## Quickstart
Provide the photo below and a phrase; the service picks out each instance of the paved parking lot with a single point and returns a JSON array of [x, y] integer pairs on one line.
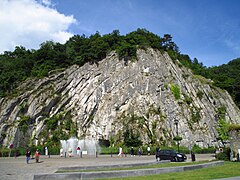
[[16, 168]]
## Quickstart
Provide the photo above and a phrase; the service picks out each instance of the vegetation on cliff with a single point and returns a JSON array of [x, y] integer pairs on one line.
[[20, 64], [225, 76]]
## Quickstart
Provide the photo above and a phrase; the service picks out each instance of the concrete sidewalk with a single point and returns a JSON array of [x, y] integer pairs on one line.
[[16, 168]]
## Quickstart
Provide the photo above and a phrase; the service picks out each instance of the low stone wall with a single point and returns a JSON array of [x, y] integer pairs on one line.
[[123, 173], [80, 168]]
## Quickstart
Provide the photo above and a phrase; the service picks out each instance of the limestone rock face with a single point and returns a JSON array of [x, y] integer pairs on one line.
[[154, 96]]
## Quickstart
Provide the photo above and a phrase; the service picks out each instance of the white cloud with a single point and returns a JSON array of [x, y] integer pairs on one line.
[[46, 2], [29, 23]]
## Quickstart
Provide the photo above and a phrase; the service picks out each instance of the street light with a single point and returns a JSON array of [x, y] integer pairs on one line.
[[231, 145], [176, 123]]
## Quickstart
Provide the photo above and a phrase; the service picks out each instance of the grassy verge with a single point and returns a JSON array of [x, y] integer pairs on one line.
[[163, 165], [229, 169]]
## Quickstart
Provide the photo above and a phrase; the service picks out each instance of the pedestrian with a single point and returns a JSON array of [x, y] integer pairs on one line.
[[139, 151], [78, 151], [132, 151], [239, 154], [120, 151], [28, 154], [46, 150], [61, 152], [148, 150], [37, 155]]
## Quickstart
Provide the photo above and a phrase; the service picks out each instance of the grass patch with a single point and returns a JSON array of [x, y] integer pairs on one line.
[[162, 165], [229, 169], [176, 91]]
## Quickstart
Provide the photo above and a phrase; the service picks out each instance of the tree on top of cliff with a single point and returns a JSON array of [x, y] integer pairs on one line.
[[20, 64]]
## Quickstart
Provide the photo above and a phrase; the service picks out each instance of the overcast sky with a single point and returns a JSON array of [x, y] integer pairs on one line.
[[205, 29]]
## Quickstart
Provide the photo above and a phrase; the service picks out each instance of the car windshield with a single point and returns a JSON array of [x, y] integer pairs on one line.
[[168, 151]]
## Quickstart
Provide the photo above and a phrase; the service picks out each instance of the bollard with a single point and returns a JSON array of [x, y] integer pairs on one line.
[[111, 153], [96, 154], [81, 154], [9, 155], [193, 157], [48, 154], [65, 154]]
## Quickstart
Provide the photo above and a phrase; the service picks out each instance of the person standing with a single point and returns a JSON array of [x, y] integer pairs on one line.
[[78, 151], [61, 152], [46, 151], [148, 150], [132, 151], [37, 155], [139, 151], [28, 154]]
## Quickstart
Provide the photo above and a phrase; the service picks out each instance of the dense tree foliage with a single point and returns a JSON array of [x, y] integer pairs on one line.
[[225, 76], [20, 64], [131, 138]]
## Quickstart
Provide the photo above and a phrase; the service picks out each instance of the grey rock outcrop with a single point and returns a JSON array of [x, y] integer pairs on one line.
[[102, 100]]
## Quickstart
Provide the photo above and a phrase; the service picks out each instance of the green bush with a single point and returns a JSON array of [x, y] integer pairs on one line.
[[110, 150], [198, 150], [4, 152], [200, 94], [196, 117], [132, 138], [222, 156], [53, 150], [225, 155], [176, 91], [187, 99]]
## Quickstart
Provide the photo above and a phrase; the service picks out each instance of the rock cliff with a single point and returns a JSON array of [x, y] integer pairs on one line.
[[154, 96]]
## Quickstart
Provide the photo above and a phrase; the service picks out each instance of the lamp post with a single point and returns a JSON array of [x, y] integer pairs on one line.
[[176, 123], [76, 125], [231, 145]]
